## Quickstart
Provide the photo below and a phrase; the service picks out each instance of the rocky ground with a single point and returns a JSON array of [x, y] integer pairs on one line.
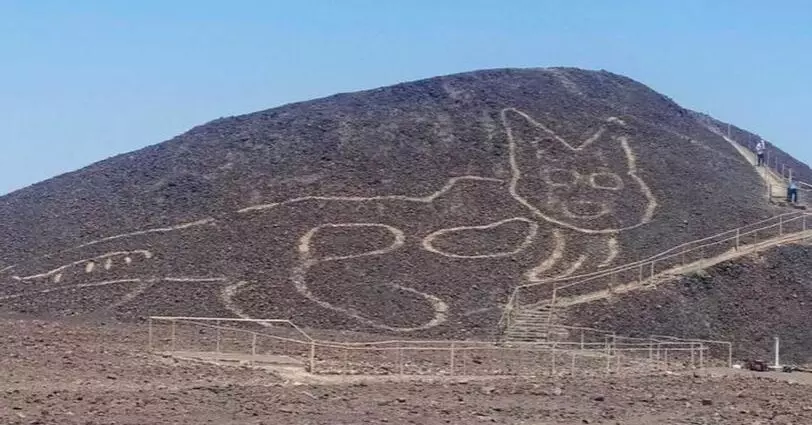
[[99, 373], [747, 301], [79, 243]]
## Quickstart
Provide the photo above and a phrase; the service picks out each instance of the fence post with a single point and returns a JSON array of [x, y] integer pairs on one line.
[[217, 323], [702, 356], [452, 359], [400, 359], [312, 357], [552, 355], [582, 340], [173, 335], [652, 269], [640, 279], [781, 226], [253, 344], [149, 337], [729, 355], [738, 235], [693, 360]]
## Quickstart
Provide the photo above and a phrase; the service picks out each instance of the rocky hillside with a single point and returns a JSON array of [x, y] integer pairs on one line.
[[413, 208], [748, 302]]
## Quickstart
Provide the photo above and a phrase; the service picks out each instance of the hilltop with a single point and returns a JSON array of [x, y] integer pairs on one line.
[[409, 209]]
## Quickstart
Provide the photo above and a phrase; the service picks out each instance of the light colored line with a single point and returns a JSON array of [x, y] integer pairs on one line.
[[614, 251], [424, 199], [195, 279], [398, 240], [299, 278], [528, 240], [517, 176], [560, 242], [67, 287], [148, 231], [143, 252]]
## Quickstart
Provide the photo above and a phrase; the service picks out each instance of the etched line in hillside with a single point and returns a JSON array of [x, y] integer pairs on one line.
[[517, 172], [532, 232], [600, 210], [614, 251], [68, 287], [88, 262], [559, 246], [617, 182], [227, 298], [132, 295], [300, 271], [423, 199], [195, 279], [652, 204], [169, 229], [399, 238], [299, 278], [573, 268]]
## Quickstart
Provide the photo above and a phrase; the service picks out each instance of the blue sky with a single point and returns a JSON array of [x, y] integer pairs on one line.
[[84, 80]]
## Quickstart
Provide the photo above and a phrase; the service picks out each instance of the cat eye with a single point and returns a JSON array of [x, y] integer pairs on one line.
[[561, 177], [607, 181]]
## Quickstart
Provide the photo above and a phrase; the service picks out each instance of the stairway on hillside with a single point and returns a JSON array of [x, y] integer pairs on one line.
[[776, 184], [534, 324]]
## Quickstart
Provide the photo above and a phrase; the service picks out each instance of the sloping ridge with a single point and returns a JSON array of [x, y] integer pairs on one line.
[[415, 208]]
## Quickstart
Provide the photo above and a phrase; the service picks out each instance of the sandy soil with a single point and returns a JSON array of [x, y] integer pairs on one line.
[[99, 373]]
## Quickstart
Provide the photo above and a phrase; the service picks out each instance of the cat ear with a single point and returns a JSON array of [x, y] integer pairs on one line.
[[525, 133]]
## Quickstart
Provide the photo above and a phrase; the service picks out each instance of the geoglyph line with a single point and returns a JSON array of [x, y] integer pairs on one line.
[[424, 199], [528, 240], [68, 287], [517, 173], [195, 279], [306, 262], [560, 244], [146, 254], [614, 251], [148, 231], [398, 240]]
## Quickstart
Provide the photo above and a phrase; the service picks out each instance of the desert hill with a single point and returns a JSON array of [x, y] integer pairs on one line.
[[748, 301], [408, 209]]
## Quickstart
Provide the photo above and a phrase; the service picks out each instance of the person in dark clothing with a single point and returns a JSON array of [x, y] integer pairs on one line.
[[761, 146]]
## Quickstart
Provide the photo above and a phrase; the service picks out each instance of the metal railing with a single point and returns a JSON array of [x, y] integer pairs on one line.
[[687, 257], [589, 351]]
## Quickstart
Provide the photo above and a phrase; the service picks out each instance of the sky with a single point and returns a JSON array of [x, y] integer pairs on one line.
[[81, 81]]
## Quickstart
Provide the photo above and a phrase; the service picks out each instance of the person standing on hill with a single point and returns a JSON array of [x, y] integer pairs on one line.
[[792, 192], [761, 146]]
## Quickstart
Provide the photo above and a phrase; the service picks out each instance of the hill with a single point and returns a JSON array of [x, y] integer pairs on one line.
[[747, 301], [408, 209]]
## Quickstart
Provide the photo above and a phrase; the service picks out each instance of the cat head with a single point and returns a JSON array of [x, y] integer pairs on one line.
[[590, 186]]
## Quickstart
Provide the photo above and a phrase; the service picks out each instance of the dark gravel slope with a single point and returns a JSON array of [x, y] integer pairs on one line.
[[747, 301], [596, 161]]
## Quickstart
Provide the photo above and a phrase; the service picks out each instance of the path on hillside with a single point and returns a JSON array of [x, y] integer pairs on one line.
[[534, 321], [770, 179], [682, 270]]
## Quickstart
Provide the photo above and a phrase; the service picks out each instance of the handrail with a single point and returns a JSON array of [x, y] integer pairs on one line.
[[668, 251], [678, 250], [680, 253]]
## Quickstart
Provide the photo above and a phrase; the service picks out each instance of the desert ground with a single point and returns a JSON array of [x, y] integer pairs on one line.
[[100, 372]]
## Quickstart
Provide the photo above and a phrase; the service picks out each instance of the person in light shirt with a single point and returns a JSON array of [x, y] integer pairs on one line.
[[761, 147], [792, 192]]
